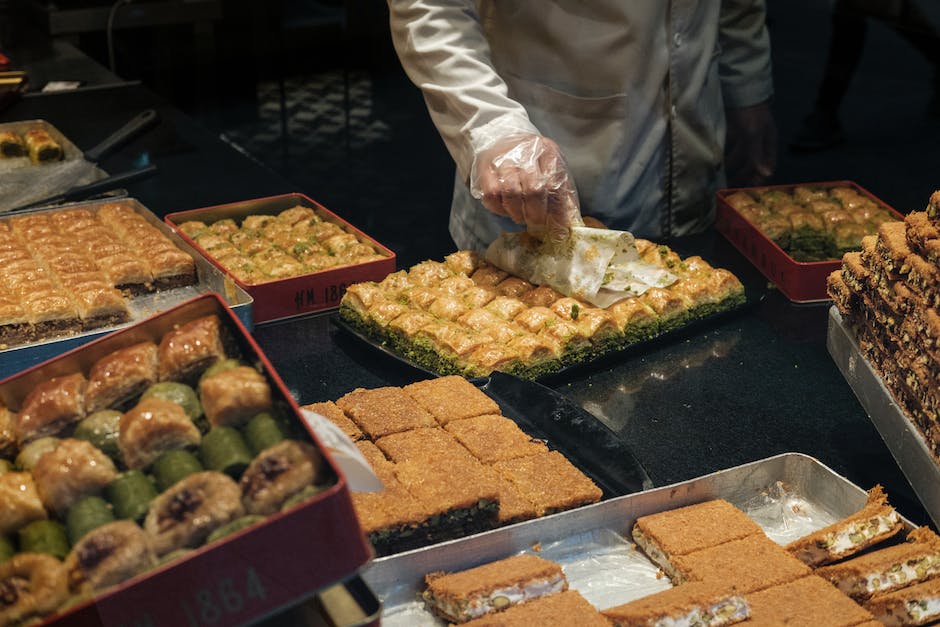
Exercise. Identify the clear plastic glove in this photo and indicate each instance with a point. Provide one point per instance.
(751, 150)
(524, 177)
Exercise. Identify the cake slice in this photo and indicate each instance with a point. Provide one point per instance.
(888, 569)
(681, 531)
(699, 603)
(875, 522)
(806, 601)
(555, 610)
(914, 605)
(465, 595)
(734, 563)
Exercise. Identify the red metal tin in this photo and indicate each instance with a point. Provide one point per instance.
(294, 296)
(249, 574)
(800, 281)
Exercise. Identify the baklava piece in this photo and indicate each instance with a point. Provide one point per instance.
(799, 603)
(451, 398)
(382, 411)
(330, 411)
(50, 407)
(109, 555)
(19, 501)
(454, 494)
(11, 145)
(550, 481)
(665, 535)
(420, 444)
(492, 438)
(120, 376)
(704, 604)
(153, 427)
(732, 563)
(42, 148)
(232, 397)
(493, 587)
(75, 468)
(564, 608)
(186, 351)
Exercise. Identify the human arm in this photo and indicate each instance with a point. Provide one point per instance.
(747, 89)
(502, 156)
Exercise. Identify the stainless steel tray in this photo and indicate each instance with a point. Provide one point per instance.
(22, 181)
(210, 279)
(899, 433)
(788, 495)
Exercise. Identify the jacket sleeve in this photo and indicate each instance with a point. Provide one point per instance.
(744, 64)
(443, 50)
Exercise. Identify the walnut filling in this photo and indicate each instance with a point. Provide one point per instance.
(178, 509)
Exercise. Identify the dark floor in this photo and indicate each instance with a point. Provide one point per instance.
(377, 159)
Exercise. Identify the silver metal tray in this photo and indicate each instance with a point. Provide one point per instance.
(788, 495)
(898, 431)
(209, 279)
(22, 181)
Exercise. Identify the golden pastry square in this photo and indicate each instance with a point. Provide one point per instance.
(513, 505)
(554, 610)
(334, 414)
(735, 562)
(714, 522)
(451, 398)
(446, 484)
(424, 443)
(550, 481)
(382, 411)
(494, 438)
(806, 601)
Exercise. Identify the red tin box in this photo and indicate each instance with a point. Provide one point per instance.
(799, 281)
(286, 558)
(282, 298)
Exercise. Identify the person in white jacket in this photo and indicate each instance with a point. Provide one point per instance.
(616, 108)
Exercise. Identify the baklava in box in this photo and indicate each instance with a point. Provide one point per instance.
(290, 253)
(796, 234)
(160, 471)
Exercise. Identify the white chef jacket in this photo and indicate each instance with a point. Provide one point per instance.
(633, 91)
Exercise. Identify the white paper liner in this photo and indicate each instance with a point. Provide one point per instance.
(608, 570)
(359, 474)
(600, 266)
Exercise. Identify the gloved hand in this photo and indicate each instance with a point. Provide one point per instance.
(751, 147)
(525, 177)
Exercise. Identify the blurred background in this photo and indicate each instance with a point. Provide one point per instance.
(313, 90)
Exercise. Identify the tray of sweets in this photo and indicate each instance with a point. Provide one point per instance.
(169, 506)
(465, 316)
(54, 165)
(788, 496)
(796, 234)
(291, 254)
(900, 433)
(447, 451)
(25, 345)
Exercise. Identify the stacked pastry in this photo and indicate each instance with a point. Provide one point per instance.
(269, 247)
(106, 474)
(68, 271)
(726, 571)
(465, 316)
(888, 294)
(450, 463)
